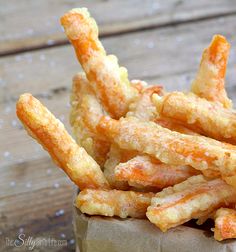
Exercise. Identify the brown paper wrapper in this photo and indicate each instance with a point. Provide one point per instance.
(105, 234)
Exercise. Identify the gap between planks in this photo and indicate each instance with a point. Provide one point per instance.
(129, 30)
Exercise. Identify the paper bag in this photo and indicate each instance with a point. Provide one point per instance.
(105, 234)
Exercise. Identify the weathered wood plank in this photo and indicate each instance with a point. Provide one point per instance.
(159, 56)
(36, 200)
(14, 136)
(45, 213)
(33, 24)
(155, 55)
(31, 175)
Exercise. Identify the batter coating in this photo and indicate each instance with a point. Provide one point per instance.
(192, 199)
(210, 80)
(42, 125)
(114, 203)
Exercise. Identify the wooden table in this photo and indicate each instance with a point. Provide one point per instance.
(158, 41)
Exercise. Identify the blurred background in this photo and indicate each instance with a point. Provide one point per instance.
(160, 42)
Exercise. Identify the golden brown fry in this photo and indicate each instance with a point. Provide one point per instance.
(109, 81)
(210, 80)
(85, 114)
(231, 180)
(143, 108)
(171, 147)
(189, 200)
(114, 203)
(52, 135)
(174, 125)
(206, 117)
(225, 224)
(139, 85)
(144, 171)
(115, 156)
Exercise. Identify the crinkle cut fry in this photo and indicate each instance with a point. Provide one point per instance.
(113, 203)
(145, 171)
(210, 80)
(52, 135)
(171, 147)
(84, 116)
(225, 224)
(209, 118)
(109, 81)
(176, 207)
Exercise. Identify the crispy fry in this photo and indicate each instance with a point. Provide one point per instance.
(225, 224)
(174, 125)
(52, 135)
(143, 108)
(109, 81)
(189, 200)
(144, 171)
(231, 180)
(85, 114)
(139, 85)
(206, 117)
(171, 147)
(115, 156)
(210, 80)
(114, 203)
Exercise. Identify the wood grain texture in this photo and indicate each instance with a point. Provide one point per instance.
(34, 24)
(32, 188)
(168, 55)
(35, 213)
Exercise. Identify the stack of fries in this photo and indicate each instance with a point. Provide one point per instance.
(142, 152)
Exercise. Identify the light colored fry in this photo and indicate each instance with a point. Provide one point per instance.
(205, 117)
(109, 81)
(139, 85)
(85, 114)
(210, 80)
(143, 108)
(231, 180)
(174, 125)
(192, 200)
(144, 171)
(115, 156)
(171, 147)
(114, 203)
(52, 135)
(225, 224)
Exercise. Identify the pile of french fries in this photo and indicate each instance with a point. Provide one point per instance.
(141, 151)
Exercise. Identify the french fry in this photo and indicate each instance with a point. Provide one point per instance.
(174, 125)
(109, 81)
(115, 156)
(225, 224)
(205, 117)
(210, 80)
(139, 85)
(85, 114)
(144, 171)
(192, 199)
(52, 135)
(171, 147)
(143, 108)
(113, 203)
